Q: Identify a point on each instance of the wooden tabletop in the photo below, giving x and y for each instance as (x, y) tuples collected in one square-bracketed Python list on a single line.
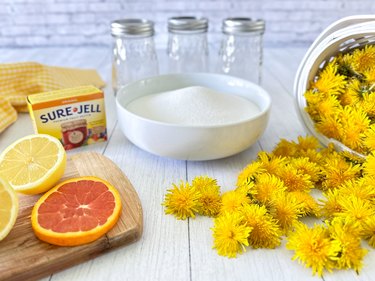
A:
[(182, 250)]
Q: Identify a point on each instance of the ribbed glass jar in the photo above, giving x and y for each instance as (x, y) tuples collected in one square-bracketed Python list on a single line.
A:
[(241, 50), (134, 54), (187, 44)]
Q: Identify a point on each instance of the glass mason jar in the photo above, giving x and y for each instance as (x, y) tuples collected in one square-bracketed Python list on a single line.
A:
[(187, 44), (241, 51), (134, 54)]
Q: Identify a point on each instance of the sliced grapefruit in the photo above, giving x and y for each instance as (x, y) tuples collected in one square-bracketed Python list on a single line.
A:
[(76, 211), (33, 164), (8, 208)]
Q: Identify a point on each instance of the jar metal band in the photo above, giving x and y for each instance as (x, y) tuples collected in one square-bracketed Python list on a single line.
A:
[(132, 27), (242, 25), (187, 25)]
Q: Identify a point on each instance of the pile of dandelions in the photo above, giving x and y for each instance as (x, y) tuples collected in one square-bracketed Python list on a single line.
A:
[(341, 100), (273, 195)]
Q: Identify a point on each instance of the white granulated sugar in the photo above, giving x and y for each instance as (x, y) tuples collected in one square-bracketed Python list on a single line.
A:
[(194, 106)]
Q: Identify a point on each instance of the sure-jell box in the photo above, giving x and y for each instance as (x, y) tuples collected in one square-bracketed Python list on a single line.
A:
[(75, 116)]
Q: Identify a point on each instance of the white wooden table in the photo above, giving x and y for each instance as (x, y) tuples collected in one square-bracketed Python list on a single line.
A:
[(181, 250)]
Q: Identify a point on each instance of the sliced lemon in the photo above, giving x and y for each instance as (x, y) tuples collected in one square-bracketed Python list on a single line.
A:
[(33, 164), (8, 208)]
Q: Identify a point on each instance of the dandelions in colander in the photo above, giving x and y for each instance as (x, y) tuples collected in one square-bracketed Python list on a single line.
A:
[(341, 99)]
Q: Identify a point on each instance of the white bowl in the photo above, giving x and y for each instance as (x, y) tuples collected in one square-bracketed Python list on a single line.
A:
[(192, 142)]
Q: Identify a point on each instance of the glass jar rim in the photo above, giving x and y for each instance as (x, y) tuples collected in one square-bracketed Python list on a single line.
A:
[(187, 24), (132, 26), (241, 25)]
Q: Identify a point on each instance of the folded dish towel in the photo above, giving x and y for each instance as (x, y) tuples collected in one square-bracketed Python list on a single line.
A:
[(18, 80)]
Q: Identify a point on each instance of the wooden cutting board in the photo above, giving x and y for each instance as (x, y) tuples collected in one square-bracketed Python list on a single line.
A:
[(24, 257)]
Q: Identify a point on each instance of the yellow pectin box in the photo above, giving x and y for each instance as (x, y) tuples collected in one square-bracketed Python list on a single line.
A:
[(75, 116)]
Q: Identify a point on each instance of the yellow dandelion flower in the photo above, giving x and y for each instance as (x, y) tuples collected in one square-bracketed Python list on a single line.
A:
[(369, 165), (285, 148), (330, 105), (336, 171), (369, 230), (305, 166), (271, 163), (352, 93), (313, 247), (230, 234), (369, 75), (369, 138), (182, 201), (331, 205), (265, 230), (313, 100), (359, 188), (363, 59), (210, 199), (345, 67), (233, 201), (286, 210), (351, 253), (367, 104), (354, 123), (355, 209), (313, 155), (308, 205), (307, 142), (330, 126), (249, 172), (329, 81), (295, 180), (266, 187)]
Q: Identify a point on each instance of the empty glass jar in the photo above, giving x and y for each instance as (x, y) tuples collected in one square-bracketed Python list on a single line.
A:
[(134, 54), (241, 51), (187, 44)]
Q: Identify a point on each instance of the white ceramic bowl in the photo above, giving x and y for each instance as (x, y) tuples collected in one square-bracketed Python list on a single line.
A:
[(192, 142)]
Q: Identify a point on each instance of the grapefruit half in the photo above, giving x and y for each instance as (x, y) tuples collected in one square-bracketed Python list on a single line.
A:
[(76, 211)]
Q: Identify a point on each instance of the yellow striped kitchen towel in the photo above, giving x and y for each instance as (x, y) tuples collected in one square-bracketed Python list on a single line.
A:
[(18, 80)]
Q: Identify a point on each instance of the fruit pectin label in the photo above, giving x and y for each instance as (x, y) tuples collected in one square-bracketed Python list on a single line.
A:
[(75, 116)]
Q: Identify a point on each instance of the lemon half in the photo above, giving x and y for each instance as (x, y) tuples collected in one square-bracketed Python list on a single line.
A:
[(33, 164), (8, 208)]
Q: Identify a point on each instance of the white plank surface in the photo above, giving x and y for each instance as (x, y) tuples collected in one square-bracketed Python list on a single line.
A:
[(171, 249)]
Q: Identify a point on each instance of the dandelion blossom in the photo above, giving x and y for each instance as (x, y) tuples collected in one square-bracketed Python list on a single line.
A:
[(369, 138), (329, 81), (285, 148), (266, 187), (361, 188), (182, 201), (295, 180), (331, 205), (363, 59), (346, 235), (355, 209), (308, 204), (233, 201), (271, 163), (249, 172), (305, 166), (337, 171), (369, 230), (369, 165), (286, 210), (210, 199), (313, 247), (265, 230), (307, 142), (230, 234)]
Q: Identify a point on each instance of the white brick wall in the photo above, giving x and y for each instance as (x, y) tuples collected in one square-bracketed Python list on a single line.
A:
[(79, 22)]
